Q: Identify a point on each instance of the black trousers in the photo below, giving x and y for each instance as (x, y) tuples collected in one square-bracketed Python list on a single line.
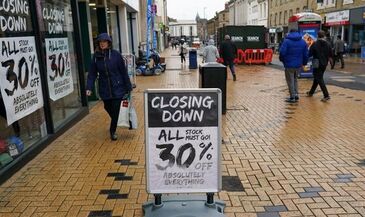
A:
[(182, 58), (112, 106), (338, 57), (318, 80)]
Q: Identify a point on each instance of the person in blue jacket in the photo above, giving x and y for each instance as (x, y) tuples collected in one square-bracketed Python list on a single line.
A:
[(293, 54), (114, 85)]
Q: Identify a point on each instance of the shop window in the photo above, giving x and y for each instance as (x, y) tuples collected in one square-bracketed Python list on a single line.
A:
[(113, 25), (22, 122), (55, 19)]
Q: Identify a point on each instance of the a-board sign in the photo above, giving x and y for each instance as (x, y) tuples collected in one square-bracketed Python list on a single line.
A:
[(183, 138)]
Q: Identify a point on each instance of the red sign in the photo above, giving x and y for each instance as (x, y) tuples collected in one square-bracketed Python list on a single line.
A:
[(338, 23)]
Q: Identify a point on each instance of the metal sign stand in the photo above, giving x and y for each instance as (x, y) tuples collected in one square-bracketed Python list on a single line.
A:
[(192, 206)]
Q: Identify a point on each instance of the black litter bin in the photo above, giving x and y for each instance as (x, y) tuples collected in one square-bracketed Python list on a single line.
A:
[(193, 62), (214, 75)]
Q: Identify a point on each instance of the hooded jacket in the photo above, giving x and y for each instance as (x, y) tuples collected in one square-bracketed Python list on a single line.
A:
[(108, 66), (321, 50), (228, 50), (210, 52), (294, 51)]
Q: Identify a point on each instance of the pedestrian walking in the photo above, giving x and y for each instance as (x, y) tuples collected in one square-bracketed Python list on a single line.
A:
[(210, 53), (228, 52), (114, 85), (293, 54), (182, 52), (321, 52), (339, 49)]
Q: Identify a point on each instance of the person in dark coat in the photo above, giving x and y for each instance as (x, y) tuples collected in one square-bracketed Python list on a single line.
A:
[(182, 52), (320, 51), (293, 54), (228, 52), (339, 50), (114, 85)]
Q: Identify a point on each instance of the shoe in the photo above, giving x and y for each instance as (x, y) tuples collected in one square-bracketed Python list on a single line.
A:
[(113, 136), (325, 99), (290, 99), (296, 98), (234, 78), (309, 94)]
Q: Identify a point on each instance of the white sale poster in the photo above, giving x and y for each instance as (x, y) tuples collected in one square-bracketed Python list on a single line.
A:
[(20, 81), (59, 74)]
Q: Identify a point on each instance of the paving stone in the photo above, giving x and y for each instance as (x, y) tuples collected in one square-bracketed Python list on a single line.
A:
[(307, 157), (345, 176), (275, 208), (268, 214), (313, 189), (231, 183), (308, 194), (106, 213)]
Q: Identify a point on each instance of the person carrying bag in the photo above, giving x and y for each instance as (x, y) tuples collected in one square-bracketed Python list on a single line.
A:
[(114, 84)]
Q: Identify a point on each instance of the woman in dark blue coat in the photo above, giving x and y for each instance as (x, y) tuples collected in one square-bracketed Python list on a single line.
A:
[(114, 85)]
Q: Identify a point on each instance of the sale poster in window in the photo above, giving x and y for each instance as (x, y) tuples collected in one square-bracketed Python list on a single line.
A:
[(20, 81), (183, 142), (59, 74)]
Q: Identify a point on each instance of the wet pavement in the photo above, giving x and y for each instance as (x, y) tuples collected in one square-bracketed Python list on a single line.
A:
[(278, 159), (352, 76)]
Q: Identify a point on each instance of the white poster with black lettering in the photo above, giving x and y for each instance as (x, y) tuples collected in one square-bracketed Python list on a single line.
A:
[(183, 140), (59, 74), (20, 81)]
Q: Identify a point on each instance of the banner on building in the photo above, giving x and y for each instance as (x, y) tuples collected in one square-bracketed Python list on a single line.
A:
[(59, 74), (20, 81), (149, 27)]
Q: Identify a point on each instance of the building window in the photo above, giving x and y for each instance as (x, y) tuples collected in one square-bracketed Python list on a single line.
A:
[(285, 17), (297, 11), (280, 18), (275, 20), (271, 23), (64, 99), (290, 12)]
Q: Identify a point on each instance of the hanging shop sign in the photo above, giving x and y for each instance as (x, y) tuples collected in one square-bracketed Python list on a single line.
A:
[(20, 81), (183, 140), (338, 18), (59, 74)]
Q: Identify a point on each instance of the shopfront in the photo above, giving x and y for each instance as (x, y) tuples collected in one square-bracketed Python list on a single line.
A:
[(40, 74), (357, 30), (117, 18), (338, 23)]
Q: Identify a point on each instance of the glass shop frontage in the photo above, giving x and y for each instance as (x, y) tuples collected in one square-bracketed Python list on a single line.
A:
[(45, 50), (41, 76)]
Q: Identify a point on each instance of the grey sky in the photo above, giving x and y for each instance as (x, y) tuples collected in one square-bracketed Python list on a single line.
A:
[(187, 9)]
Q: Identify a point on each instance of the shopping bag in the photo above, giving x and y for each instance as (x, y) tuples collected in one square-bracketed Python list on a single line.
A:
[(133, 118), (123, 118)]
